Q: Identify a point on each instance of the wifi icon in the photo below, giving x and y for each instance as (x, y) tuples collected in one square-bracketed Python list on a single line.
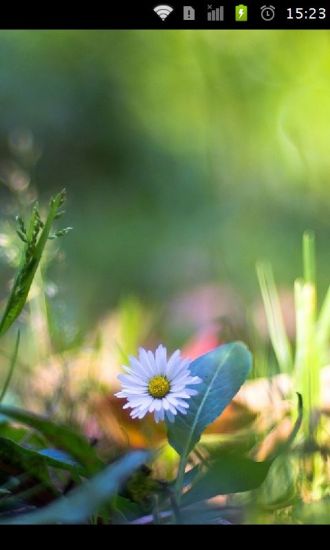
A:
[(163, 11)]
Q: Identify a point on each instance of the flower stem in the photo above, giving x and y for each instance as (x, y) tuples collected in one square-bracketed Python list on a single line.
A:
[(179, 479)]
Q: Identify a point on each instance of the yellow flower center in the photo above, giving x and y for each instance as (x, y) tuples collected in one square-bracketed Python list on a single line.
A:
[(158, 386)]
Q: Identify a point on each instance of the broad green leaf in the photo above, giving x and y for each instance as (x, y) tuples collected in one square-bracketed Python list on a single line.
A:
[(238, 443), (280, 487), (225, 475), (222, 371), (60, 436), (85, 500), (191, 475)]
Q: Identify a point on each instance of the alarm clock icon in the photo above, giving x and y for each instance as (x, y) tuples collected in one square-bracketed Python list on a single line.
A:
[(267, 13)]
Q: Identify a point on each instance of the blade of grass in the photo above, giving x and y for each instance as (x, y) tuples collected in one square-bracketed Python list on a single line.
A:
[(11, 368), (323, 328), (61, 436), (307, 360), (30, 261), (81, 503), (278, 336), (309, 257)]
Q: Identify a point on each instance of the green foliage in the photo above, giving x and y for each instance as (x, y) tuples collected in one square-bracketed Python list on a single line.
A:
[(16, 460), (61, 436), (313, 513), (222, 371), (229, 473), (280, 487), (11, 368), (79, 505), (228, 470), (40, 465), (312, 330), (18, 434), (279, 338), (34, 238)]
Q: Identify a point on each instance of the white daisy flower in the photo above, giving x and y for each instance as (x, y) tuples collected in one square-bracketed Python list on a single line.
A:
[(157, 385)]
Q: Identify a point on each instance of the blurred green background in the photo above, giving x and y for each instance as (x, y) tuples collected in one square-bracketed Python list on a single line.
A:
[(187, 156)]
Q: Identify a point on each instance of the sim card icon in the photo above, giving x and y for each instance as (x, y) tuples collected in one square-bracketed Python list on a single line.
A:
[(241, 13)]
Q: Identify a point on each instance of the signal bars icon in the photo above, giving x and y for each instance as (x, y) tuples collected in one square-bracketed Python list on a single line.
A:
[(163, 11)]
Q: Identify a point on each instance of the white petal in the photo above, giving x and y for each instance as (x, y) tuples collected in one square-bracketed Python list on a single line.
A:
[(134, 391), (182, 403), (158, 404), (135, 398), (195, 380), (165, 404), (144, 406), (172, 362), (182, 394), (171, 408), (152, 406), (170, 416), (159, 415), (160, 359), (120, 394), (145, 362), (182, 410), (152, 363), (130, 379), (138, 368), (191, 392), (176, 401), (181, 368)]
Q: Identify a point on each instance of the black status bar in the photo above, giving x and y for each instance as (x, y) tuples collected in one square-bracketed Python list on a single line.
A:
[(174, 15)]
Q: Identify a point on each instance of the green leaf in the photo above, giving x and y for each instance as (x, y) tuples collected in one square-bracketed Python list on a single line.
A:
[(274, 316), (85, 500), (11, 368), (323, 328), (59, 459), (238, 443), (36, 238), (191, 475), (225, 475), (124, 511), (280, 487), (60, 436), (33, 438), (222, 371), (16, 460), (313, 513)]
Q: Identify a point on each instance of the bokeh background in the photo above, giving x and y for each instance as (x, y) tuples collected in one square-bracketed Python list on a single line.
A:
[(187, 156)]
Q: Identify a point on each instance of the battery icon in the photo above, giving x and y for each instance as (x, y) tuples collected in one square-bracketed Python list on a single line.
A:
[(241, 13)]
